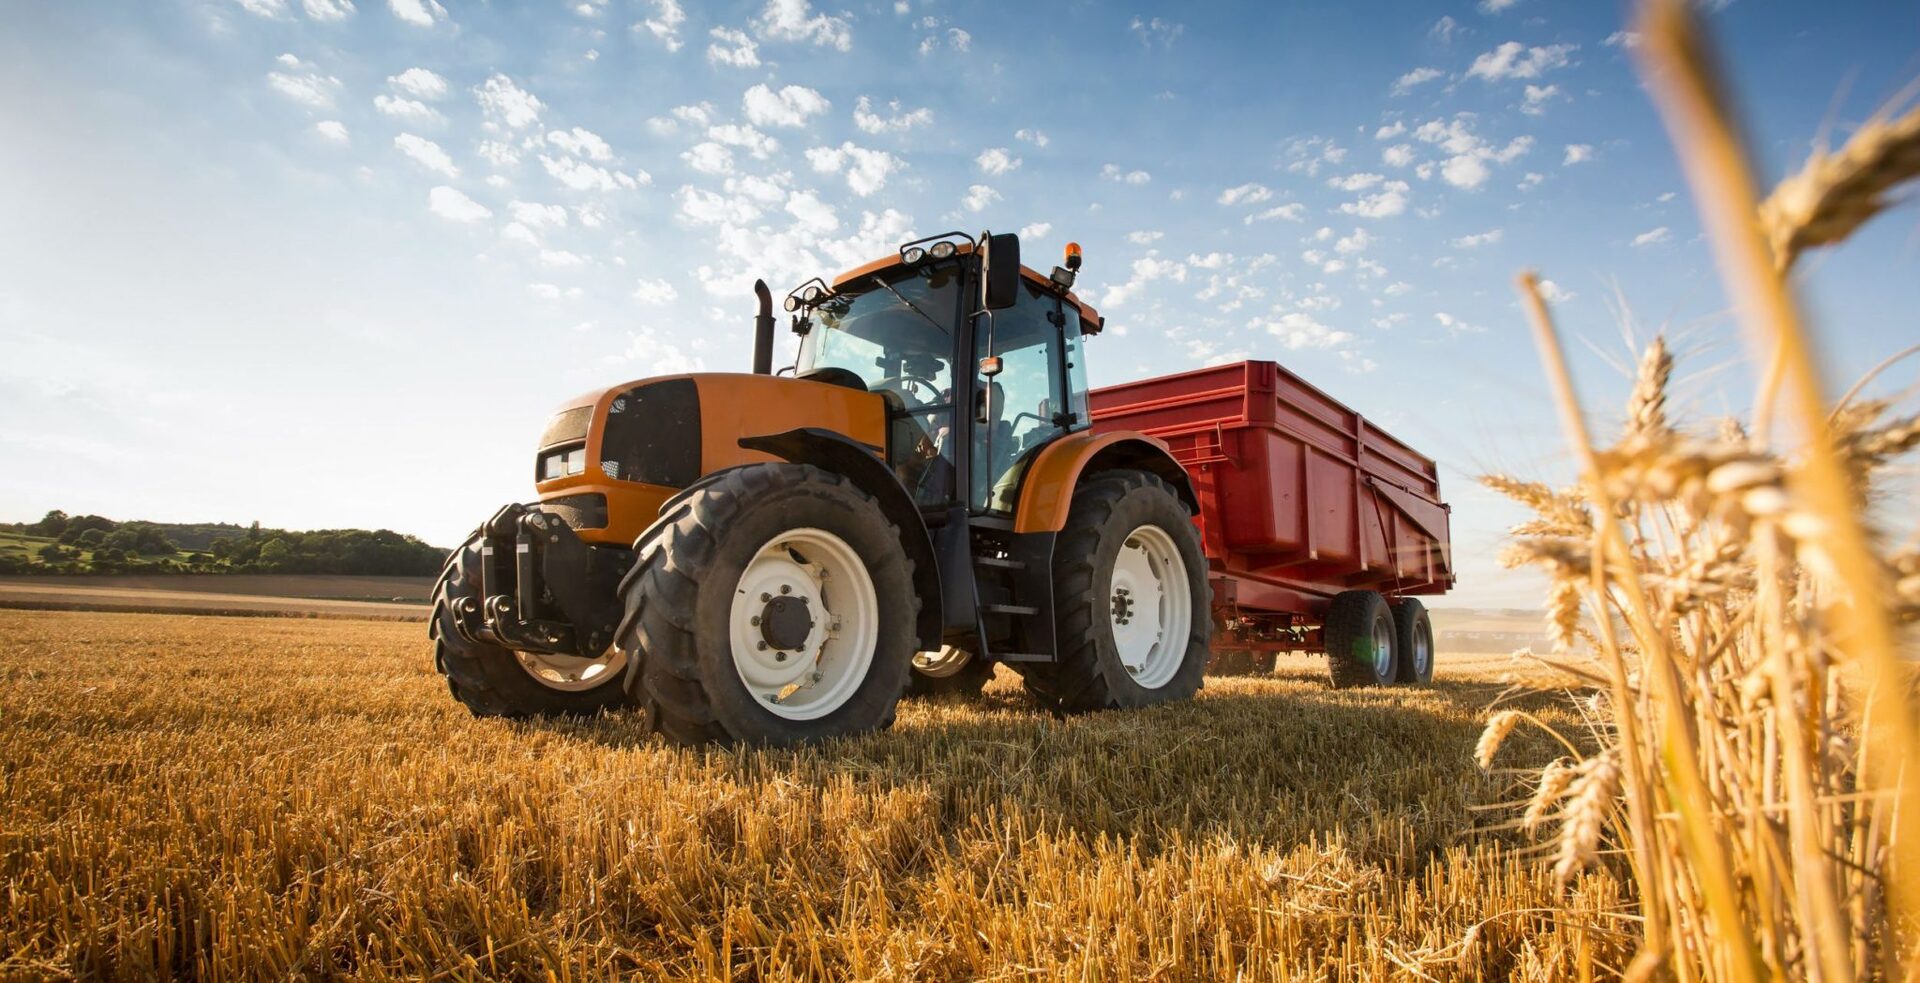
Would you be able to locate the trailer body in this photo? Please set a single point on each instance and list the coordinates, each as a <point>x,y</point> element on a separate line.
<point>1301,498</point>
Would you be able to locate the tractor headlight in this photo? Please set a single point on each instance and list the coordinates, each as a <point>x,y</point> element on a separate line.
<point>941,250</point>
<point>812,295</point>
<point>793,303</point>
<point>563,463</point>
<point>914,254</point>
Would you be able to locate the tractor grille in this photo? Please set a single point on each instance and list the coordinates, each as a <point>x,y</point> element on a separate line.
<point>653,434</point>
<point>579,511</point>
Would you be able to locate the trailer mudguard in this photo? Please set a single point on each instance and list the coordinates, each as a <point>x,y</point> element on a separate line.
<point>1046,491</point>
<point>843,455</point>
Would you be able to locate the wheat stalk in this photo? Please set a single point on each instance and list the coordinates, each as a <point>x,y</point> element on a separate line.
<point>1836,193</point>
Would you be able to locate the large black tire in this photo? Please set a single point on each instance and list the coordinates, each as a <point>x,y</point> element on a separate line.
<point>964,683</point>
<point>679,594</point>
<point>1358,624</point>
<point>489,680</point>
<point>1413,640</point>
<point>1088,673</point>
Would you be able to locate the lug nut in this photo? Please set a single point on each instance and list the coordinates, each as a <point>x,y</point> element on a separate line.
<point>761,645</point>
<point>754,621</point>
<point>779,656</point>
<point>786,588</point>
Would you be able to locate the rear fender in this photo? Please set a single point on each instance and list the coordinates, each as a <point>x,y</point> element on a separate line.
<point>840,454</point>
<point>1046,493</point>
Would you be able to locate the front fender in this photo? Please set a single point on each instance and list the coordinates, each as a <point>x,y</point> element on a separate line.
<point>1046,493</point>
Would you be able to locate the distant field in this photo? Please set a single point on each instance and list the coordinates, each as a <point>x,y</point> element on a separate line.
<point>258,798</point>
<point>393,598</point>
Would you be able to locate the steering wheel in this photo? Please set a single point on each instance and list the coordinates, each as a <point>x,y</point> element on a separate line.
<point>906,385</point>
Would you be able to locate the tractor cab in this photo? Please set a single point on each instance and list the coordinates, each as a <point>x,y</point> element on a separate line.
<point>977,376</point>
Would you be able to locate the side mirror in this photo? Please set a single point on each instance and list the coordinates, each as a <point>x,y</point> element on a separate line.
<point>1000,268</point>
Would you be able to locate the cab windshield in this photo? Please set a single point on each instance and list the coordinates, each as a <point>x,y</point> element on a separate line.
<point>894,330</point>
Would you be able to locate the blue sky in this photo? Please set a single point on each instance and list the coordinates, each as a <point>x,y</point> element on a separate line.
<point>330,263</point>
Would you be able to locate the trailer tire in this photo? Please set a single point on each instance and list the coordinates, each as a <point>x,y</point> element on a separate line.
<point>690,670</point>
<point>491,681</point>
<point>1413,641</point>
<point>1359,626</point>
<point>1088,673</point>
<point>964,681</point>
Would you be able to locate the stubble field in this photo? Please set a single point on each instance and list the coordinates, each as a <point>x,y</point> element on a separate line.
<point>265,797</point>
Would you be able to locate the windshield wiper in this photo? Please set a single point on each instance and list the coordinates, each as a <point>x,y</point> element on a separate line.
<point>910,305</point>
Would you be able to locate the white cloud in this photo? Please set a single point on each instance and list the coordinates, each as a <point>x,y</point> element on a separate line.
<point>516,232</point>
<point>1112,172</point>
<point>1478,239</point>
<point>1653,236</point>
<point>870,122</point>
<point>1623,39</point>
<point>1037,230</point>
<point>1397,288</point>
<point>815,215</point>
<point>1514,60</point>
<point>1145,270</point>
<point>309,88</point>
<point>560,257</point>
<point>1355,182</point>
<point>1297,330</point>
<point>1143,238</point>
<point>264,8</point>
<point>1537,98</point>
<point>978,197</point>
<point>426,153</point>
<point>1495,6</point>
<point>408,110</point>
<point>788,107</point>
<point>707,208</point>
<point>549,291</point>
<point>665,23</point>
<point>1531,180</point>
<point>1444,30</point>
<point>1465,171</point>
<point>866,170</point>
<point>1036,137</point>
<point>1211,261</point>
<point>1246,194</point>
<point>996,161</point>
<point>959,40</point>
<point>794,20</point>
<point>582,176</point>
<point>1156,31</point>
<point>454,206</point>
<point>732,47</point>
<point>327,11</point>
<point>419,13</point>
<point>332,129</point>
<point>747,138</point>
<point>1398,155</point>
<point>708,158</point>
<point>1389,132</point>
<point>419,83</point>
<point>1292,211</point>
<point>1454,325</point>
<point>537,216</point>
<point>1350,244</point>
<point>654,291</point>
<point>1577,153</point>
<point>506,104</point>
<point>1389,201</point>
<point>1414,79</point>
<point>581,142</point>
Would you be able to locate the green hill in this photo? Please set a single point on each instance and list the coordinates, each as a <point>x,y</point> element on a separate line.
<point>82,544</point>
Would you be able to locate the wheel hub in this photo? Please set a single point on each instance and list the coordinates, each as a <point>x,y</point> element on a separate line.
<point>785,622</point>
<point>1122,606</point>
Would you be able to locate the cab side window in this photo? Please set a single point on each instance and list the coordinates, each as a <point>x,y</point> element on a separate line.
<point>1014,412</point>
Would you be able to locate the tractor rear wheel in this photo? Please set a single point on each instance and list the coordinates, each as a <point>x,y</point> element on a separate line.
<point>496,682</point>
<point>950,672</point>
<point>772,604</point>
<point>1132,609</point>
<point>1413,634</point>
<point>1360,636</point>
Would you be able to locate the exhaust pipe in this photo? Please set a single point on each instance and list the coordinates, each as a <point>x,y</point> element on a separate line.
<point>763,330</point>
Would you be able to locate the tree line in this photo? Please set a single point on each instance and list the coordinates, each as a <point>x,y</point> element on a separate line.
<point>95,544</point>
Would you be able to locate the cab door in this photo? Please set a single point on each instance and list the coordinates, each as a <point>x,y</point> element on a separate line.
<point>1029,403</point>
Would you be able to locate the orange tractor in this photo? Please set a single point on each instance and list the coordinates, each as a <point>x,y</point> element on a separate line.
<point>780,557</point>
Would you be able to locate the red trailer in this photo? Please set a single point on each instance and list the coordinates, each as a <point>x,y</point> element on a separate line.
<point>1314,521</point>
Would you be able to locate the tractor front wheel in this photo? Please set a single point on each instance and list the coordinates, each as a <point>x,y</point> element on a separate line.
<point>496,682</point>
<point>772,604</point>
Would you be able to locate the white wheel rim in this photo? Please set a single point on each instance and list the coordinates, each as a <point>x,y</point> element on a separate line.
<point>572,673</point>
<point>1150,606</point>
<point>1383,647</point>
<point>818,676</point>
<point>942,664</point>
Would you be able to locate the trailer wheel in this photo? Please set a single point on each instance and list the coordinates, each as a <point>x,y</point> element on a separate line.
<point>950,672</point>
<point>1360,640</point>
<point>1131,601</point>
<point>1413,638</point>
<point>772,604</point>
<point>496,682</point>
